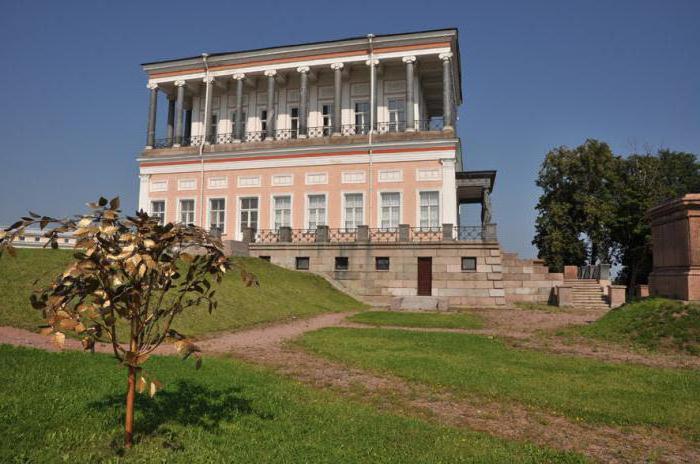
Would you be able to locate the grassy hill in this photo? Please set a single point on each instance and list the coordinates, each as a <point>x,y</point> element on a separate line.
<point>652,323</point>
<point>282,294</point>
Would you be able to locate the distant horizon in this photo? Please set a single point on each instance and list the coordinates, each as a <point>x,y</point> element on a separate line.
<point>535,76</point>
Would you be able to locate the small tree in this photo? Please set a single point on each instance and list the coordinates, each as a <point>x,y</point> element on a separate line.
<point>130,278</point>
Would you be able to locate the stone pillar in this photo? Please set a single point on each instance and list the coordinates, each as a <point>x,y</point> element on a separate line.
<point>447,97</point>
<point>322,234</point>
<point>271,116</point>
<point>238,135</point>
<point>171,120</point>
<point>362,234</point>
<point>208,92</point>
<point>337,97</point>
<point>187,132</point>
<point>303,100</point>
<point>179,102</point>
<point>404,232</point>
<point>616,295</point>
<point>570,272</point>
<point>449,191</point>
<point>284,234</point>
<point>489,232</point>
<point>373,63</point>
<point>410,113</point>
<point>641,291</point>
<point>565,296</point>
<point>447,234</point>
<point>144,190</point>
<point>152,109</point>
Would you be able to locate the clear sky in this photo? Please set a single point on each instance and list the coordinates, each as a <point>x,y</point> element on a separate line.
<point>536,75</point>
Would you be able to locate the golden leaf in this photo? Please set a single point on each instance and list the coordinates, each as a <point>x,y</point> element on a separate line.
<point>79,328</point>
<point>141,384</point>
<point>68,324</point>
<point>155,386</point>
<point>84,222</point>
<point>61,314</point>
<point>59,339</point>
<point>148,243</point>
<point>46,331</point>
<point>88,343</point>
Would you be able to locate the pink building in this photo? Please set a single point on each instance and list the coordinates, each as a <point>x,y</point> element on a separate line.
<point>336,157</point>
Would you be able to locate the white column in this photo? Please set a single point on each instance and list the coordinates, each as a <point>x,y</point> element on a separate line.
<point>449,192</point>
<point>144,187</point>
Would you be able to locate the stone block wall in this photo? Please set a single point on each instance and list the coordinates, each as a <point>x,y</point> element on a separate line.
<point>492,283</point>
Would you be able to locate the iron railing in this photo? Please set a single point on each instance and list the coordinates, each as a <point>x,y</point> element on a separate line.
<point>342,235</point>
<point>466,233</point>
<point>594,271</point>
<point>426,234</point>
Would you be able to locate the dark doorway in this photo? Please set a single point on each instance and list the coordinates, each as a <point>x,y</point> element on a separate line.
<point>425,276</point>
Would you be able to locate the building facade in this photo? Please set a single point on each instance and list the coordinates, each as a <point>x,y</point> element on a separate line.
<point>323,146</point>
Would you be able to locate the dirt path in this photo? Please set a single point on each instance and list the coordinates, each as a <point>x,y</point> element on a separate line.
<point>268,346</point>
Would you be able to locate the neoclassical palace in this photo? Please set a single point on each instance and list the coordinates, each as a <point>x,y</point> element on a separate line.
<point>337,157</point>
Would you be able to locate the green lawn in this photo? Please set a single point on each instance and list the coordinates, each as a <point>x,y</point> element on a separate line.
<point>282,294</point>
<point>455,320</point>
<point>67,407</point>
<point>652,323</point>
<point>469,364</point>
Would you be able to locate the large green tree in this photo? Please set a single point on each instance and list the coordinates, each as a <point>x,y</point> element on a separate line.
<point>576,207</point>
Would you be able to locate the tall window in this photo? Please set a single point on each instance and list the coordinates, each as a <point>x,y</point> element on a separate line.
<point>317,211</point>
<point>361,117</point>
<point>213,128</point>
<point>327,115</point>
<point>283,211</point>
<point>429,209</point>
<point>234,128</point>
<point>187,211</point>
<point>217,214</point>
<point>391,209</point>
<point>353,210</point>
<point>294,118</point>
<point>158,211</point>
<point>397,114</point>
<point>263,123</point>
<point>249,213</point>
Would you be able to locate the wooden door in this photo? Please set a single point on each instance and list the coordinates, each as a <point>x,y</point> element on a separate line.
<point>425,276</point>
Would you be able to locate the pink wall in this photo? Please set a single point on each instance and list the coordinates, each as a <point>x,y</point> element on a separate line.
<point>334,188</point>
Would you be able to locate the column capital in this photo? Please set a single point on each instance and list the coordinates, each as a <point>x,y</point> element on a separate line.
<point>448,161</point>
<point>152,86</point>
<point>271,72</point>
<point>337,66</point>
<point>179,83</point>
<point>238,76</point>
<point>144,177</point>
<point>372,62</point>
<point>208,79</point>
<point>409,59</point>
<point>303,69</point>
<point>445,56</point>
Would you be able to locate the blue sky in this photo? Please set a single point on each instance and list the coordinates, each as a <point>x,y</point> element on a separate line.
<point>535,75</point>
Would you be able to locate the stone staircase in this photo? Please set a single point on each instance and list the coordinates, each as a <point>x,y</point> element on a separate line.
<point>527,280</point>
<point>587,293</point>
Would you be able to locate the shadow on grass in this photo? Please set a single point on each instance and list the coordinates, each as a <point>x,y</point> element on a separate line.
<point>185,403</point>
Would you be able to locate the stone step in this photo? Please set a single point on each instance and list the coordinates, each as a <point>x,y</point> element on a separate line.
<point>414,303</point>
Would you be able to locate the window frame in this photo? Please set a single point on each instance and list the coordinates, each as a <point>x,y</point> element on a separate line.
<point>273,209</point>
<point>344,217</point>
<point>419,216</point>
<point>162,220</point>
<point>194,209</point>
<point>209,211</point>
<point>307,209</point>
<point>378,259</point>
<point>380,208</point>
<point>300,259</point>
<point>239,210</point>
<point>341,259</point>
<point>464,259</point>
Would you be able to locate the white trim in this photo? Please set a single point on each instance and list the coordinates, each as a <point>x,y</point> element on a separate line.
<point>144,187</point>
<point>273,177</point>
<point>238,234</point>
<point>345,181</point>
<point>165,207</point>
<point>257,182</point>
<point>388,171</point>
<point>178,209</point>
<point>181,188</point>
<point>427,190</point>
<point>323,182</point>
<point>379,205</point>
<point>301,162</point>
<point>342,204</point>
<point>153,183</point>
<point>301,63</point>
<point>421,174</point>
<point>208,211</point>
<point>217,178</point>
<point>271,223</point>
<point>306,207</point>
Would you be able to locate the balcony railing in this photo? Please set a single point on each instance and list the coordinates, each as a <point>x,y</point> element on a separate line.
<point>428,125</point>
<point>364,234</point>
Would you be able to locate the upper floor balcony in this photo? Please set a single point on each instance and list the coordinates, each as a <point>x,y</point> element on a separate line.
<point>388,87</point>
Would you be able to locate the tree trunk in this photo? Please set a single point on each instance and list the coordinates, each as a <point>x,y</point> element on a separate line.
<point>130,397</point>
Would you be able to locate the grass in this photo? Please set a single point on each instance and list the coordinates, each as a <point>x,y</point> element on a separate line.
<point>67,407</point>
<point>283,294</point>
<point>548,308</point>
<point>580,388</point>
<point>457,320</point>
<point>652,323</point>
